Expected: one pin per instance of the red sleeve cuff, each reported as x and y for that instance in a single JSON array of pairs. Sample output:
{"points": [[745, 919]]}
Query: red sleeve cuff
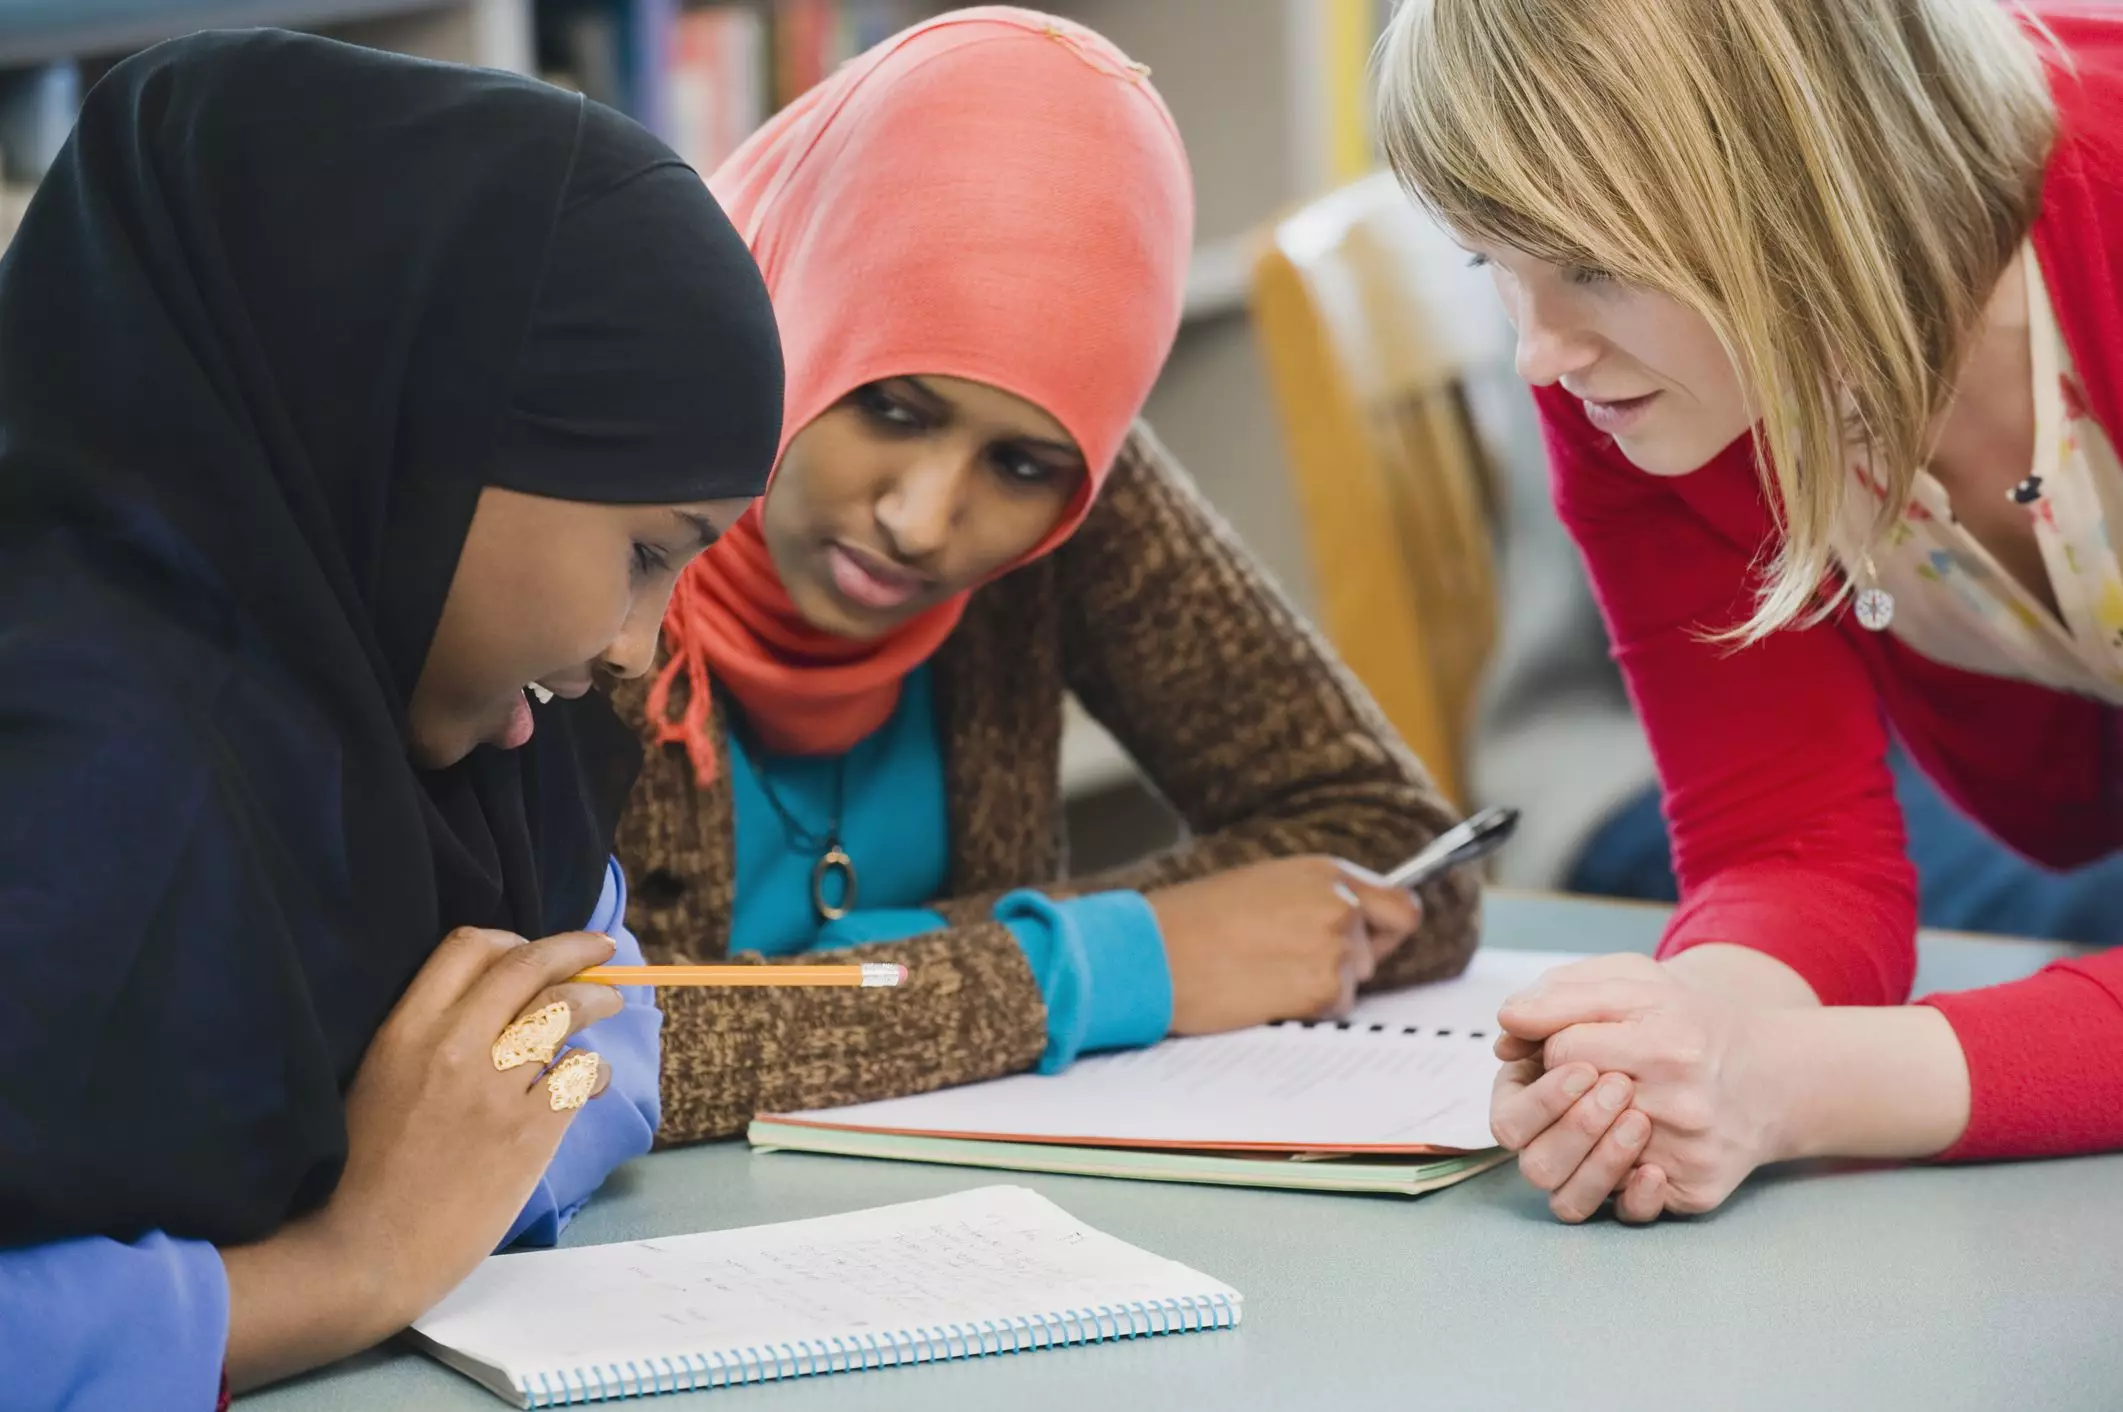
{"points": [[1853, 941], [2045, 1062], [222, 1403]]}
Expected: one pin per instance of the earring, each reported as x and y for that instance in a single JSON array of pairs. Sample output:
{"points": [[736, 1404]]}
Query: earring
{"points": [[1874, 604]]}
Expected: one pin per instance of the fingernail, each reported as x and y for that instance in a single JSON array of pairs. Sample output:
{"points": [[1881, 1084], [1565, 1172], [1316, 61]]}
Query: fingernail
{"points": [[1576, 1082], [534, 1039], [1614, 1093], [572, 1081], [1630, 1128]]}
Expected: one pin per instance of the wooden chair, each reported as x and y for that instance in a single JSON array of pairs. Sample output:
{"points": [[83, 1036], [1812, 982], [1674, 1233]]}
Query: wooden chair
{"points": [[1371, 322]]}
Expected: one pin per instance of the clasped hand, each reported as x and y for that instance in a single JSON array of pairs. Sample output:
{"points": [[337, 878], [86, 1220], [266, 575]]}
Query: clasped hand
{"points": [[1622, 1080]]}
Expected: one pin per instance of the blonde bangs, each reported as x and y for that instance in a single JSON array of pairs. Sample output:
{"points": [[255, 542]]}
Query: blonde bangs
{"points": [[1482, 136], [1442, 133], [1834, 185]]}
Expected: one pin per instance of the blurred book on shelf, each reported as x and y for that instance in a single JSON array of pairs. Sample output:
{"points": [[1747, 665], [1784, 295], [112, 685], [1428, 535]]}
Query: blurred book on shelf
{"points": [[717, 81], [704, 76]]}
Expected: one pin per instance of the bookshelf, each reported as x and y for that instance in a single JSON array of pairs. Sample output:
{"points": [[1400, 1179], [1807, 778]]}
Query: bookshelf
{"points": [[52, 50], [702, 74], [483, 31]]}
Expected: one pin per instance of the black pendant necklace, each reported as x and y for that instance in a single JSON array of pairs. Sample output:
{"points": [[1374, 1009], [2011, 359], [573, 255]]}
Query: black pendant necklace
{"points": [[832, 856]]}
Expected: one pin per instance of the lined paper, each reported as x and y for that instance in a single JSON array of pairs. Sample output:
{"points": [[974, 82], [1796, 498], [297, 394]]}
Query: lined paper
{"points": [[1409, 1071], [990, 1256], [1276, 1087], [1470, 1000]]}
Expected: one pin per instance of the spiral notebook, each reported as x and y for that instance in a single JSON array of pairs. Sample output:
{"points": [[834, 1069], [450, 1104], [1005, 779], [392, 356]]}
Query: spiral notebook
{"points": [[997, 1269], [1328, 1087], [1408, 1073], [1392, 1100]]}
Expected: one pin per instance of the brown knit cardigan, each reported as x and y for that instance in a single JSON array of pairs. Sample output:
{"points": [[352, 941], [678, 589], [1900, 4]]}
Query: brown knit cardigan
{"points": [[1171, 636]]}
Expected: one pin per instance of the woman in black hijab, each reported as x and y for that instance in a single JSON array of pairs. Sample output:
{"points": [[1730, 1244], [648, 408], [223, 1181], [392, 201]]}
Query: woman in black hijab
{"points": [[341, 396]]}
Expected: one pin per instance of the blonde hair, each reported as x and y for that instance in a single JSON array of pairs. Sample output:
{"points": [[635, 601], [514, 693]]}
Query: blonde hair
{"points": [[1835, 185]]}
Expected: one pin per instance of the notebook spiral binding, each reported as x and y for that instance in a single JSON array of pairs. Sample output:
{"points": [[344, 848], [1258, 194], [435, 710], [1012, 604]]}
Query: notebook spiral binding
{"points": [[1442, 1033], [573, 1386]]}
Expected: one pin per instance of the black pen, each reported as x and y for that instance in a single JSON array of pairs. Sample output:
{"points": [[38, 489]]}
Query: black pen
{"points": [[1477, 837]]}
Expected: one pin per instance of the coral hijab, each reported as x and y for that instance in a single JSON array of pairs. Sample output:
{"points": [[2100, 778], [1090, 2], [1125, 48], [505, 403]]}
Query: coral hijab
{"points": [[994, 195]]}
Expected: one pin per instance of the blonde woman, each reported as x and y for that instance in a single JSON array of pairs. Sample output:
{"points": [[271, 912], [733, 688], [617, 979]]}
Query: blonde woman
{"points": [[1819, 301]]}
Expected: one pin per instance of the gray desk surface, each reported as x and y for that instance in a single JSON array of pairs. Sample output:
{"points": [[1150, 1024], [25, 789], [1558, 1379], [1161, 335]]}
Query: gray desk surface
{"points": [[1824, 1288]]}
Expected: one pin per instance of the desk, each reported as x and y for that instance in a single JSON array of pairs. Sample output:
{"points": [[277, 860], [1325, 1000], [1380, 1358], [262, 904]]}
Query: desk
{"points": [[1977, 1288]]}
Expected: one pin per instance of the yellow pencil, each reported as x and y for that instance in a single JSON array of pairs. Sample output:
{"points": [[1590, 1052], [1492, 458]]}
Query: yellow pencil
{"points": [[868, 973]]}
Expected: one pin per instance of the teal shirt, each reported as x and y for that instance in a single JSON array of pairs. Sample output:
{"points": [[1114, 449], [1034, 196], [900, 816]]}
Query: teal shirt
{"points": [[1099, 961]]}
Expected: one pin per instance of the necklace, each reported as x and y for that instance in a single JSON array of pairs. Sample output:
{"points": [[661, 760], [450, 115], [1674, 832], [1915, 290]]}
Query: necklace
{"points": [[832, 857]]}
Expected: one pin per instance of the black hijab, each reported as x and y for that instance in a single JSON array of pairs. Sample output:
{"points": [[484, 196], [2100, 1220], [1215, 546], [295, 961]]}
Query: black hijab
{"points": [[279, 312]]}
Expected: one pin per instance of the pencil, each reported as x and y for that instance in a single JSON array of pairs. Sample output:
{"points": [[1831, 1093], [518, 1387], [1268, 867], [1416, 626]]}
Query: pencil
{"points": [[868, 973]]}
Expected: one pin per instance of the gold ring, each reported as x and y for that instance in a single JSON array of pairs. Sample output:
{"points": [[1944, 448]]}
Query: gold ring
{"points": [[534, 1039], [572, 1081]]}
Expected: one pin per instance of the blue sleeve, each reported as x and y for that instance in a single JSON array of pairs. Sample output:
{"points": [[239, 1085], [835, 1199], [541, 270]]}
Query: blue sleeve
{"points": [[92, 1325], [1099, 962], [619, 1124]]}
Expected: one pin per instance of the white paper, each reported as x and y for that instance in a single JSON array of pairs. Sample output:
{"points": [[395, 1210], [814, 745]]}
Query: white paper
{"points": [[1411, 1069], [1278, 1086], [998, 1254], [1470, 1000]]}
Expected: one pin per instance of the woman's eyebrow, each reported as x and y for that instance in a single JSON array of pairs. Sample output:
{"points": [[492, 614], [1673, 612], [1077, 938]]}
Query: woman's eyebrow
{"points": [[700, 525]]}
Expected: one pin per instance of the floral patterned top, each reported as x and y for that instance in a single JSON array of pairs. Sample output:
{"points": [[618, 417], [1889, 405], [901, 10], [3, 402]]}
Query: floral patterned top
{"points": [[1954, 603]]}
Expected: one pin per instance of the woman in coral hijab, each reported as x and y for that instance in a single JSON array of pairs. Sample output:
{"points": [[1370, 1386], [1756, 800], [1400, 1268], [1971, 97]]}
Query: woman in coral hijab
{"points": [[975, 237]]}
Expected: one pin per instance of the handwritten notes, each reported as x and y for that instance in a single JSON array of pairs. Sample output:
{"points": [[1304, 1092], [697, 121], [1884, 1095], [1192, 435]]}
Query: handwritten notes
{"points": [[983, 1262]]}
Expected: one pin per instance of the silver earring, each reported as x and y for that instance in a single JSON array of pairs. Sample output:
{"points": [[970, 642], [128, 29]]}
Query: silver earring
{"points": [[1874, 604]]}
